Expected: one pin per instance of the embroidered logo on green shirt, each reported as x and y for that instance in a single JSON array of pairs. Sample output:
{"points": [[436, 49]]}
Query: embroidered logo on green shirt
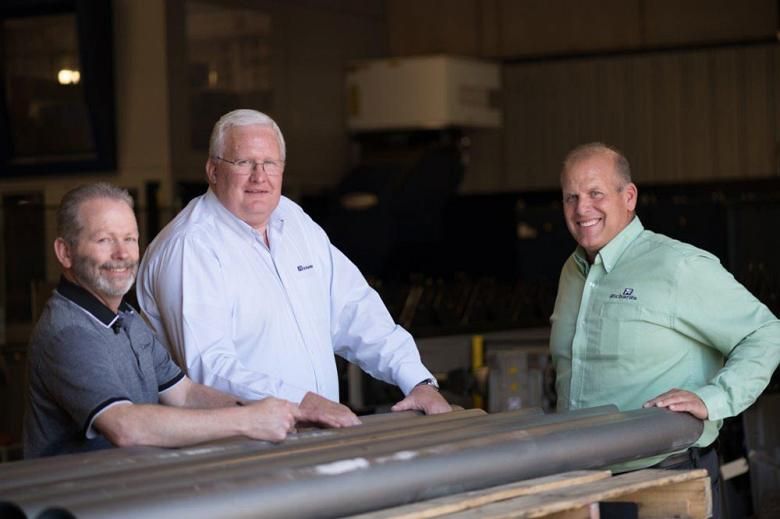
{"points": [[628, 293]]}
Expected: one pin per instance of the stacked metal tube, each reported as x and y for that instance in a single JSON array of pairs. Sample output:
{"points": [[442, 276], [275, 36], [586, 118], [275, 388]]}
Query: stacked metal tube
{"points": [[383, 463]]}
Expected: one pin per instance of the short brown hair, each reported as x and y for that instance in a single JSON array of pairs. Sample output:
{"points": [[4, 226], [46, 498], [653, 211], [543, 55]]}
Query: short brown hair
{"points": [[69, 226]]}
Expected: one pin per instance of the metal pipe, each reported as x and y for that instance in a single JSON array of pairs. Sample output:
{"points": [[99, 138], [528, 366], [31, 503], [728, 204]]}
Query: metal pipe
{"points": [[36, 496], [389, 479], [109, 461], [134, 479], [261, 476]]}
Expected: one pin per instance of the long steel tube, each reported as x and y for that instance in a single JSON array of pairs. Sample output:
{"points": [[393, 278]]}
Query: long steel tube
{"points": [[104, 463], [118, 459], [134, 481], [393, 474], [405, 476], [327, 449], [108, 462], [34, 497]]}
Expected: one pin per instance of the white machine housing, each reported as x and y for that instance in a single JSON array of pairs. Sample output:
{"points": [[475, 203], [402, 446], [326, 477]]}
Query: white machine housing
{"points": [[425, 92]]}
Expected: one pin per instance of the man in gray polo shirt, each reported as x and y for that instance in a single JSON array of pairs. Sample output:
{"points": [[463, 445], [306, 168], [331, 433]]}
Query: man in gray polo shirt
{"points": [[98, 375]]}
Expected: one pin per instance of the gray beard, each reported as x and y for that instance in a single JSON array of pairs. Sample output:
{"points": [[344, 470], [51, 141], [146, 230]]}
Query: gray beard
{"points": [[89, 273]]}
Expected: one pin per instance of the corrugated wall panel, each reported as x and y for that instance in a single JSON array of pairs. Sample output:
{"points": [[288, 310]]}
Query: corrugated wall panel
{"points": [[727, 109], [760, 134], [697, 125], [687, 116], [774, 96]]}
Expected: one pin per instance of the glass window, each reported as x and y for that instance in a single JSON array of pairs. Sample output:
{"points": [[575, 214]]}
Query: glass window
{"points": [[56, 87], [44, 92]]}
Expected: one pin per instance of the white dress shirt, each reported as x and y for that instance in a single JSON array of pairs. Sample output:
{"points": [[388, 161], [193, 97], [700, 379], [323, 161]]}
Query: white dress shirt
{"points": [[256, 321]]}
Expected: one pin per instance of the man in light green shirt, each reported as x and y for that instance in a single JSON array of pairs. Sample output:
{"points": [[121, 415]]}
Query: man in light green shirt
{"points": [[644, 320]]}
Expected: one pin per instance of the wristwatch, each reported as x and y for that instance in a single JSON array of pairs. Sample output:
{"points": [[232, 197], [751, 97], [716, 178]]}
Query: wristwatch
{"points": [[429, 382]]}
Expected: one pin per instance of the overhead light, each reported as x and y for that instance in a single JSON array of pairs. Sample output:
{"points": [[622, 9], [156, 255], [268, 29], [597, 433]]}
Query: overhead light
{"points": [[68, 77], [213, 78], [359, 201]]}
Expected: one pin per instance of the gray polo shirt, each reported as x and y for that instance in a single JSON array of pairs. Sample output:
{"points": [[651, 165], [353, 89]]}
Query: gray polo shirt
{"points": [[83, 358]]}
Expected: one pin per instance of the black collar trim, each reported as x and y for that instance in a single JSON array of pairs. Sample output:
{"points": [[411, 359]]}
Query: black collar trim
{"points": [[90, 303]]}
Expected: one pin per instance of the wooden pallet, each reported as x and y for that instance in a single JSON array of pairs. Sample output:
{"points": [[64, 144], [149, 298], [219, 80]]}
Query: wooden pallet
{"points": [[657, 494]]}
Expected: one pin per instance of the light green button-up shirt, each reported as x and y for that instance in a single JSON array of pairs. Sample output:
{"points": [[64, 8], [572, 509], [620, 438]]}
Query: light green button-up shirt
{"points": [[651, 314]]}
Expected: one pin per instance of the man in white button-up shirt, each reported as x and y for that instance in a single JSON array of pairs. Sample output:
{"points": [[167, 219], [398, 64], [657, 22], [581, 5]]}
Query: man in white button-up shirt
{"points": [[253, 299]]}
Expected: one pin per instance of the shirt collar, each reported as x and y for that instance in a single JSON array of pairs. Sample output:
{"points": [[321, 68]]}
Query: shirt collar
{"points": [[90, 303], [611, 252]]}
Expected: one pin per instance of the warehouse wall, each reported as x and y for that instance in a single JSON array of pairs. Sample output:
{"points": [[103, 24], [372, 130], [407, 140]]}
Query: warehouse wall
{"points": [[511, 29], [716, 104], [683, 116], [687, 89]]}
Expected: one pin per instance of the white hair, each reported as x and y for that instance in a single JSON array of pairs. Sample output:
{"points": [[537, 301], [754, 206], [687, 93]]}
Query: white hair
{"points": [[242, 117]]}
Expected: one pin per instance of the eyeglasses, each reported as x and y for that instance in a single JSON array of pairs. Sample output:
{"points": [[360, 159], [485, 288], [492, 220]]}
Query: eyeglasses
{"points": [[272, 168]]}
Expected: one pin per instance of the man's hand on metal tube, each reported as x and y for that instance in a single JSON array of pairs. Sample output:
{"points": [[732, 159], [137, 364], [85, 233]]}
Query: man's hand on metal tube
{"points": [[318, 410], [271, 419], [681, 401], [424, 398]]}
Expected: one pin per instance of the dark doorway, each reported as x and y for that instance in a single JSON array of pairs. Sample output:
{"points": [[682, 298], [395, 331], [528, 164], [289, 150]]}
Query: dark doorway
{"points": [[25, 256]]}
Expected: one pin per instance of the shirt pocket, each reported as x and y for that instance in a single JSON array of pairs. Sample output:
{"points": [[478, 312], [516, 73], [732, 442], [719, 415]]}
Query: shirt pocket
{"points": [[626, 329]]}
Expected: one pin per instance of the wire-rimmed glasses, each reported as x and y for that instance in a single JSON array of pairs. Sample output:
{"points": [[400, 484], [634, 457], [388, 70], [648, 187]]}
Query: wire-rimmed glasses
{"points": [[272, 168]]}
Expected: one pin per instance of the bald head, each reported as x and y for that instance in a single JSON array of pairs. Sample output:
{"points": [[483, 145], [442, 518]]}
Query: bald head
{"points": [[598, 196], [622, 168]]}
